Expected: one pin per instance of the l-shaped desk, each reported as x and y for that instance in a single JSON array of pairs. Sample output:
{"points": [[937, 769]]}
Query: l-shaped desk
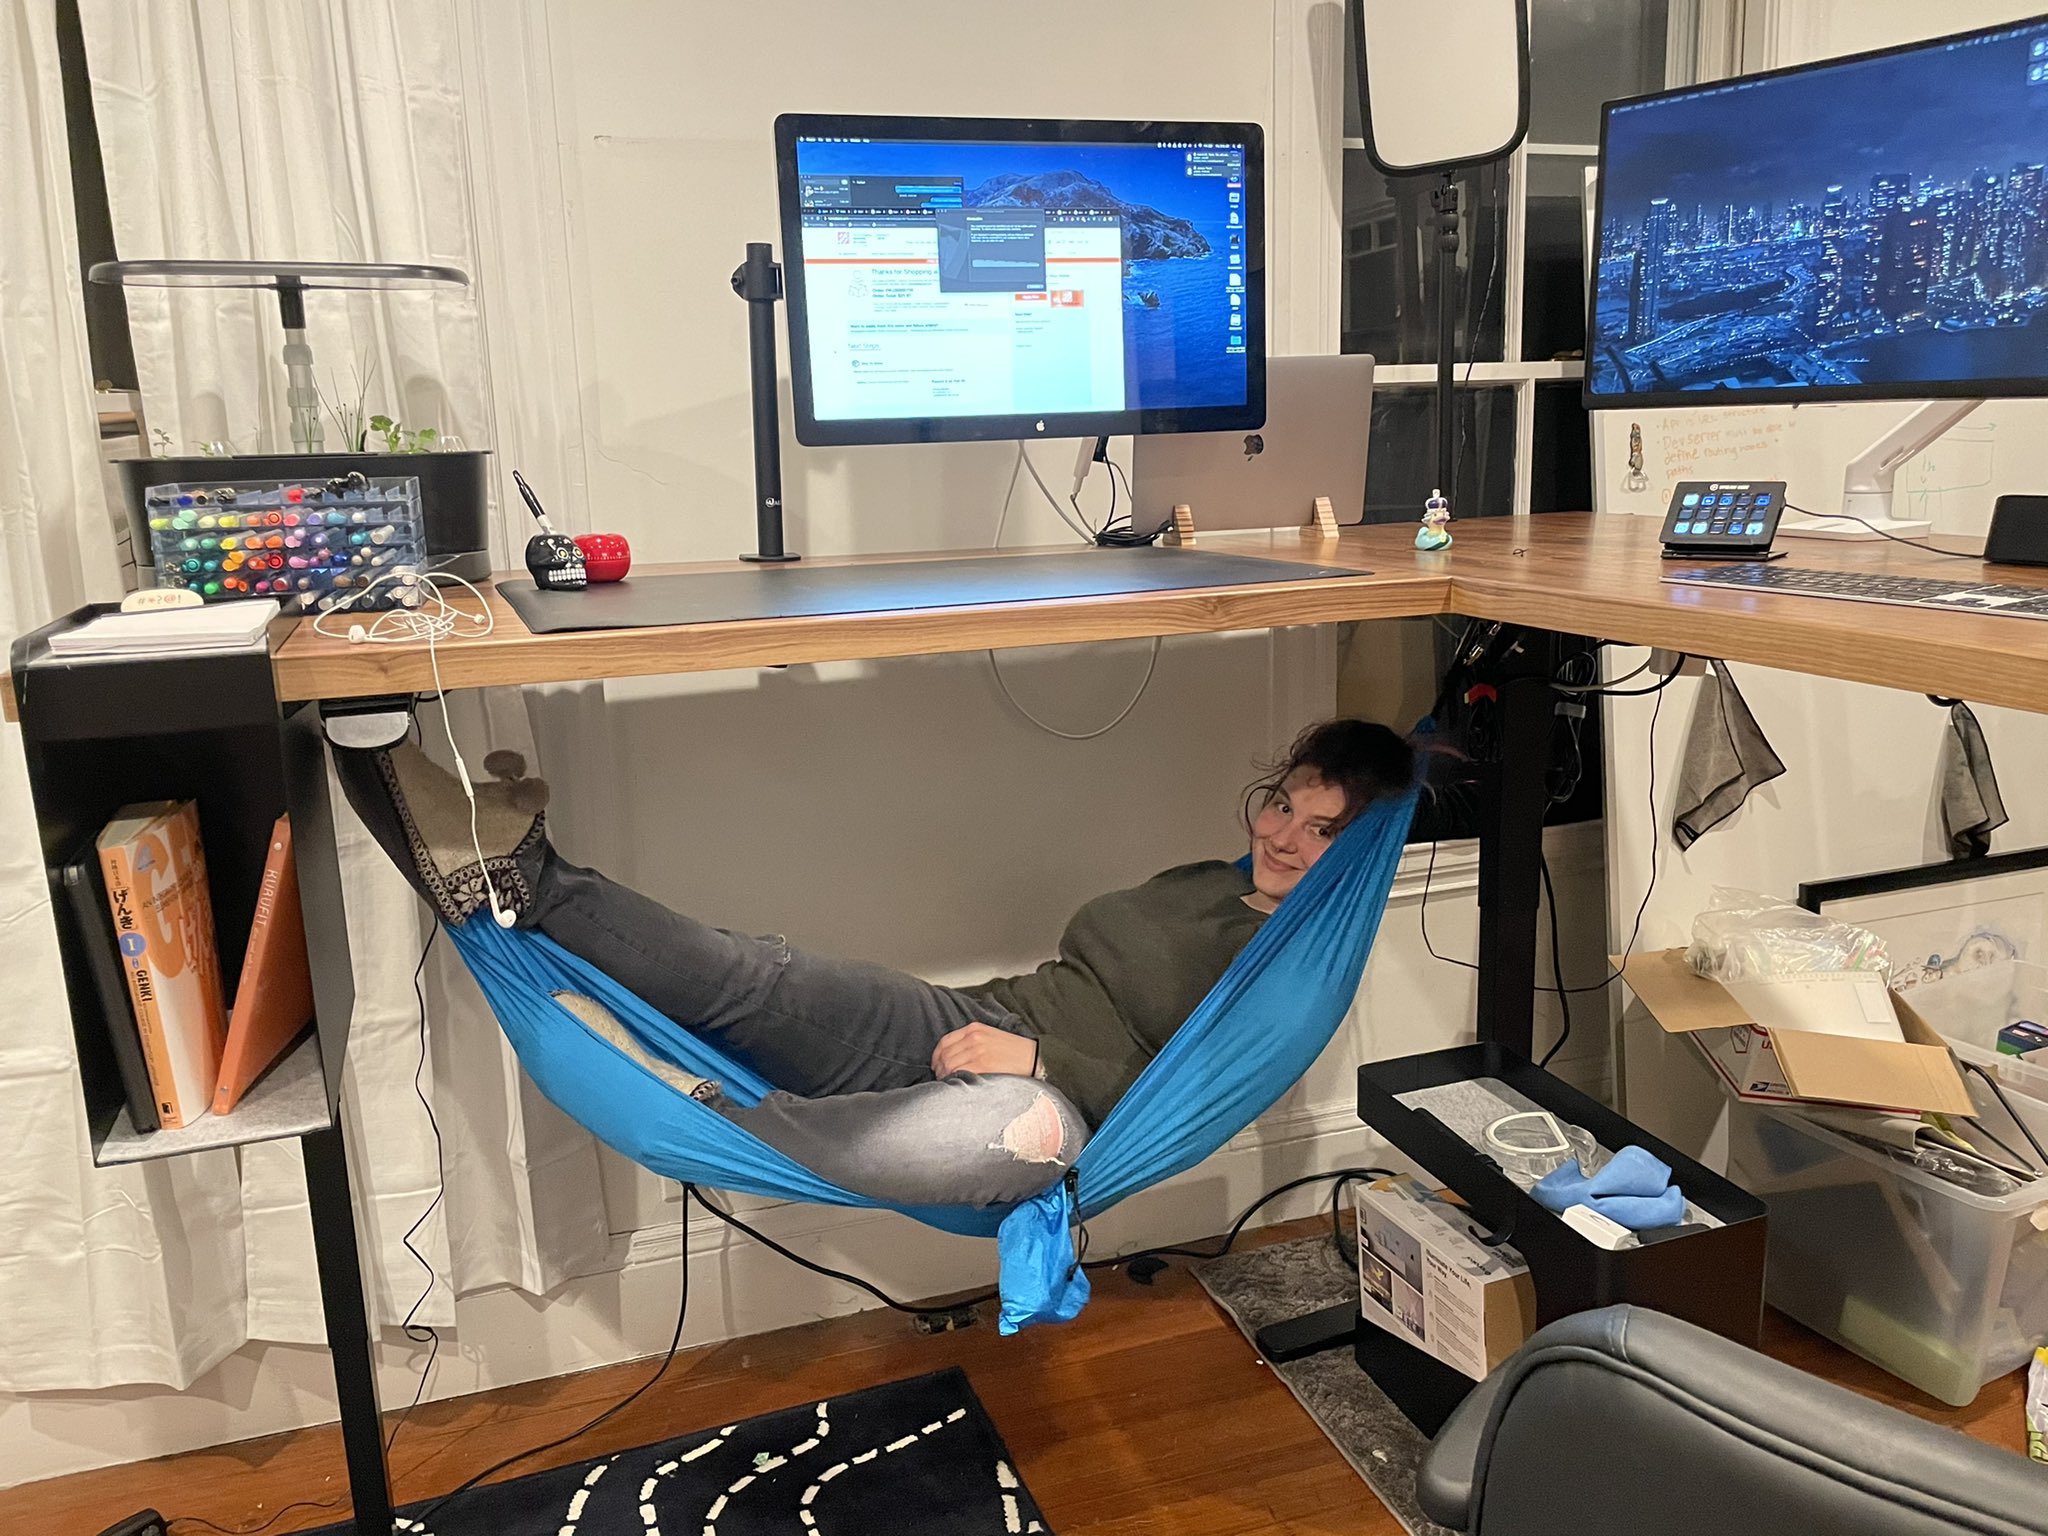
{"points": [[1564, 573]]}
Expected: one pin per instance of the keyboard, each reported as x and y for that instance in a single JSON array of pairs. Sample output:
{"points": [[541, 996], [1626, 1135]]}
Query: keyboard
{"points": [[1870, 587]]}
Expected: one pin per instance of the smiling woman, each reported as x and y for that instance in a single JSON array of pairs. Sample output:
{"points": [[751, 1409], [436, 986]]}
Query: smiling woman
{"points": [[885, 1084]]}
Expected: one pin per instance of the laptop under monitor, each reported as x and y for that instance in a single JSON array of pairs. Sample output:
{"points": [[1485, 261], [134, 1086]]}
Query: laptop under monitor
{"points": [[1318, 417]]}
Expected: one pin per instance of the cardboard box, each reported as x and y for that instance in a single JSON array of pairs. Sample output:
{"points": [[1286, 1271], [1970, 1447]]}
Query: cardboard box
{"points": [[1762, 1066], [1425, 1277]]}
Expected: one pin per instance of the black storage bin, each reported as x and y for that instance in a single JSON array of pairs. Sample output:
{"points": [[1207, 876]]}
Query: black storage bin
{"points": [[1713, 1278]]}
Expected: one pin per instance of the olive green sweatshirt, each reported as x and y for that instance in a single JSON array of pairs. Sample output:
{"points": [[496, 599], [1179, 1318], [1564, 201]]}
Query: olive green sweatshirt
{"points": [[1132, 966]]}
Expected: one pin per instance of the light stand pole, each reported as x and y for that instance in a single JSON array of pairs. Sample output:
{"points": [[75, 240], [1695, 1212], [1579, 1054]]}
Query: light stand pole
{"points": [[1444, 200]]}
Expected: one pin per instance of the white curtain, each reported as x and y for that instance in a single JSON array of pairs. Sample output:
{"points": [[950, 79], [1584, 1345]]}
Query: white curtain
{"points": [[114, 1275], [280, 129]]}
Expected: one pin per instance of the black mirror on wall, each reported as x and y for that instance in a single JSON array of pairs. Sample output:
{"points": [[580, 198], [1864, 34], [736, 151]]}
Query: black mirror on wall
{"points": [[1442, 86]]}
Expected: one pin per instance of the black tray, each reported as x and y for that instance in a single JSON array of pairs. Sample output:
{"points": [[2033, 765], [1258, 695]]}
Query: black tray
{"points": [[1712, 1277]]}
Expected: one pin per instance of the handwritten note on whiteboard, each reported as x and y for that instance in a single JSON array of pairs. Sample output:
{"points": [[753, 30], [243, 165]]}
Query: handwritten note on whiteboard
{"points": [[1728, 442]]}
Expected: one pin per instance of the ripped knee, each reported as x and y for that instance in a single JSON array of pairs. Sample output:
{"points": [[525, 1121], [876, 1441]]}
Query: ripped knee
{"points": [[1038, 1134]]}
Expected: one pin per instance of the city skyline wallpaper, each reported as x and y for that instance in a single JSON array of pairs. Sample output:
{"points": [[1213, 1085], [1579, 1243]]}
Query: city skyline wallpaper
{"points": [[1877, 224]]}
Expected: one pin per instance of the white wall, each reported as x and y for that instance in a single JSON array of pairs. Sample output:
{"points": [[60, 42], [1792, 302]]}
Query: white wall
{"points": [[1859, 793], [897, 810]]}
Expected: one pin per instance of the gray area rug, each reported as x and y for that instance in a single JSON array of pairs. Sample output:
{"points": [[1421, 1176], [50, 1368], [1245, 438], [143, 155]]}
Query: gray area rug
{"points": [[1272, 1284]]}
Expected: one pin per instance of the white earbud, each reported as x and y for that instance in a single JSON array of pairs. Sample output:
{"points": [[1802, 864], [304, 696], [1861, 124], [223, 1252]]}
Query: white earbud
{"points": [[357, 634], [499, 915]]}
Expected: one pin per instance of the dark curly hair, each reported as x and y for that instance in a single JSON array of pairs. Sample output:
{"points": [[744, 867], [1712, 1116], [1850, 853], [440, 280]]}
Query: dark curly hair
{"points": [[1366, 760]]}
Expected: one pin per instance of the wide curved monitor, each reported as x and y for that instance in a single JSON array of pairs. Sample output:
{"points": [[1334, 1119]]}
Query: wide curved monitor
{"points": [[962, 278], [1870, 227]]}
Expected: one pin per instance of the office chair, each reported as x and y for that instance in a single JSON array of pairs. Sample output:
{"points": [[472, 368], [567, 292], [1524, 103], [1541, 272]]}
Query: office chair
{"points": [[1621, 1421]]}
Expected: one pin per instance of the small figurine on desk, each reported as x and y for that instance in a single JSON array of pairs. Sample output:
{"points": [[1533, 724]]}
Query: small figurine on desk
{"points": [[1435, 532], [1635, 480]]}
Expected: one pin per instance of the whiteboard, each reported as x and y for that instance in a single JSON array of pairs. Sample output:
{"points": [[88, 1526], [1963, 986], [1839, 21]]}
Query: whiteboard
{"points": [[2002, 447]]}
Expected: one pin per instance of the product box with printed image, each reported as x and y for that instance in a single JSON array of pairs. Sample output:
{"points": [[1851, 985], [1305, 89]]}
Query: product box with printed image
{"points": [[1426, 1275]]}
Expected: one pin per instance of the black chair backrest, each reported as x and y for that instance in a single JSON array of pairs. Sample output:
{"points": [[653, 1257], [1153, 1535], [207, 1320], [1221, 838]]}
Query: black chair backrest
{"points": [[1620, 1422]]}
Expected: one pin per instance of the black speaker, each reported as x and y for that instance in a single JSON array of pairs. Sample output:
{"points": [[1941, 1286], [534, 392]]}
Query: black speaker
{"points": [[2019, 531]]}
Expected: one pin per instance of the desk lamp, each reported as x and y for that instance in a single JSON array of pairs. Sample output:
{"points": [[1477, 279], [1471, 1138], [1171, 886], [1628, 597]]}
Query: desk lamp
{"points": [[290, 280]]}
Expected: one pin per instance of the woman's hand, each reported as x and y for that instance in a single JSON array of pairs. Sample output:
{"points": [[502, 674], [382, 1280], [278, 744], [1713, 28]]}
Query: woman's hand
{"points": [[985, 1049]]}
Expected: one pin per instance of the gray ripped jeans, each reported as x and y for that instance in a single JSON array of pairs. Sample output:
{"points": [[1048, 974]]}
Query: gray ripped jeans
{"points": [[847, 1044]]}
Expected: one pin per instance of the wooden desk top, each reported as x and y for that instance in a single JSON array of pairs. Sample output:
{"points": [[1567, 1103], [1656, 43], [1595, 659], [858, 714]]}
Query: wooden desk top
{"points": [[1601, 576], [1402, 583], [1565, 571]]}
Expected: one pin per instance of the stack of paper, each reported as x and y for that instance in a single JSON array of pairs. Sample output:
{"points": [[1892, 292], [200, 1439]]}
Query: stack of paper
{"points": [[217, 627]]}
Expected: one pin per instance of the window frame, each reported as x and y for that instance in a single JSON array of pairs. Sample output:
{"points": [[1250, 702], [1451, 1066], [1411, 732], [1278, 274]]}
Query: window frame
{"points": [[1522, 374]]}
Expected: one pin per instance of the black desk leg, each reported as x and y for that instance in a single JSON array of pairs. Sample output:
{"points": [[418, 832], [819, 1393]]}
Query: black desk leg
{"points": [[1511, 847], [1515, 795], [348, 1328]]}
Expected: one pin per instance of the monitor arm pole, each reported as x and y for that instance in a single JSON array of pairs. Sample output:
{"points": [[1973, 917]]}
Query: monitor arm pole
{"points": [[1443, 199], [1868, 481], [758, 280], [1867, 486]]}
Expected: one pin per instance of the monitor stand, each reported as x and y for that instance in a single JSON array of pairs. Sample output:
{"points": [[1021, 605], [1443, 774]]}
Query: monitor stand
{"points": [[1867, 483], [758, 280]]}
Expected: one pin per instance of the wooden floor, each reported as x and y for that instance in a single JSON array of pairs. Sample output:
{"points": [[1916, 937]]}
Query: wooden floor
{"points": [[1149, 1415]]}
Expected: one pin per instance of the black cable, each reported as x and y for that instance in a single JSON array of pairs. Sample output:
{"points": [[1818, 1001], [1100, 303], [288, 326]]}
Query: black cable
{"points": [[1347, 1251], [1129, 536], [252, 1530], [1237, 1227], [1635, 932], [1428, 875], [416, 1332], [837, 1274], [682, 1312], [1634, 693], [1564, 1002], [1953, 554], [2006, 1104]]}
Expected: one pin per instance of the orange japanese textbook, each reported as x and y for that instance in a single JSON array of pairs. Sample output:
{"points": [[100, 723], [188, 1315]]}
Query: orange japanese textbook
{"points": [[155, 870], [274, 998]]}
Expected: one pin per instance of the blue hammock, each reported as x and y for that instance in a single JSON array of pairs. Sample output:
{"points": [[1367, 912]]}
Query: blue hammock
{"points": [[1261, 1026]]}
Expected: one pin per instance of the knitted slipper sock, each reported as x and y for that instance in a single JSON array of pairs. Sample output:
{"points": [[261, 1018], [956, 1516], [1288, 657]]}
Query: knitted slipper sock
{"points": [[418, 812]]}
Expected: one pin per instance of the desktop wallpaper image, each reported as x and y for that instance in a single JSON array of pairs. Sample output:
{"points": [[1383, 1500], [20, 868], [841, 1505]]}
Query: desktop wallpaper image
{"points": [[1177, 234], [1880, 223]]}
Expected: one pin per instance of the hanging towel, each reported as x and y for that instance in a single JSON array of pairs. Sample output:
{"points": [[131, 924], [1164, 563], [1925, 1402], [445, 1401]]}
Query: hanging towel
{"points": [[1725, 758], [1971, 807]]}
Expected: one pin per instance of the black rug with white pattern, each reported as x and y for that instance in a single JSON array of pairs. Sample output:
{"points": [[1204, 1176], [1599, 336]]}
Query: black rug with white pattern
{"points": [[912, 1458]]}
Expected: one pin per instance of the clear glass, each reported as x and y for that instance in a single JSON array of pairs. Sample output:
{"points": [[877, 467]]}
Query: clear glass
{"points": [[1389, 293], [1586, 52], [1554, 259], [1561, 455], [1400, 465]]}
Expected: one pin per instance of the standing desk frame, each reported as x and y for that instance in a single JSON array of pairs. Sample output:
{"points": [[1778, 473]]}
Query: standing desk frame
{"points": [[1570, 573]]}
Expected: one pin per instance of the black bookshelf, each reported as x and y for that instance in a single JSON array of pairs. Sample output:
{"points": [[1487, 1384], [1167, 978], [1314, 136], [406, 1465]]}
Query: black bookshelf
{"points": [[207, 726]]}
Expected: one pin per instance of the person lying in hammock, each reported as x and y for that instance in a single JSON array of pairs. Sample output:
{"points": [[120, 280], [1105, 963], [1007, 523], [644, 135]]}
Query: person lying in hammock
{"points": [[887, 1085]]}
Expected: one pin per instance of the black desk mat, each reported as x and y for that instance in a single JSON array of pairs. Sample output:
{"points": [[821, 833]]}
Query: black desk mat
{"points": [[805, 591]]}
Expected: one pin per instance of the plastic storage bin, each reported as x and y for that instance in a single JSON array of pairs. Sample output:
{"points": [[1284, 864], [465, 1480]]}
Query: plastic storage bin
{"points": [[321, 542], [1944, 1288]]}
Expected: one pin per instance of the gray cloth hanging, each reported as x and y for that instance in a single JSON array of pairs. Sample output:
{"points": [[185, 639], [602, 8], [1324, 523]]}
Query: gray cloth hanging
{"points": [[1725, 757], [1971, 807]]}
